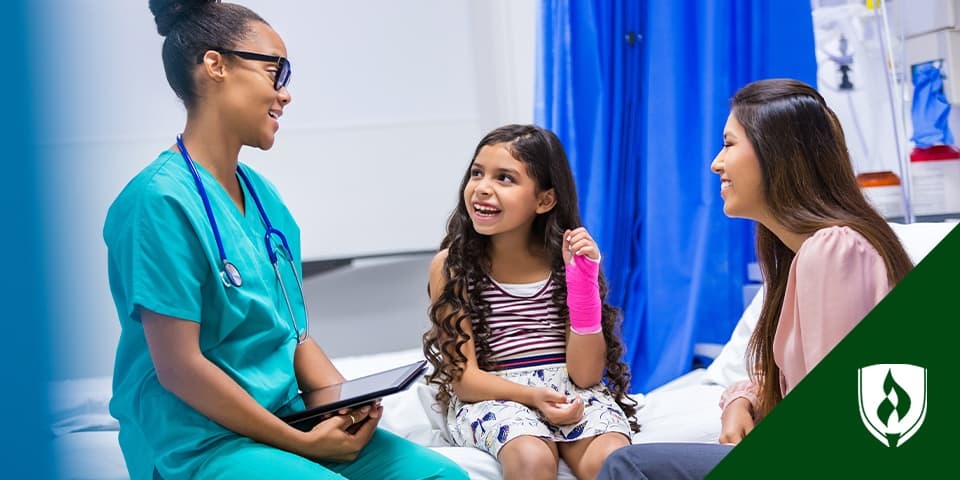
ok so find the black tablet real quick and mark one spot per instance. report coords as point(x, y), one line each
point(321, 402)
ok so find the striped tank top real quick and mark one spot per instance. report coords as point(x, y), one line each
point(525, 327)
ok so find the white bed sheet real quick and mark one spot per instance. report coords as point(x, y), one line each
point(85, 436)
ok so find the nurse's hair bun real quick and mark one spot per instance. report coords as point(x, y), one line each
point(168, 13)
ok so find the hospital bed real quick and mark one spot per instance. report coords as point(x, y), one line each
point(683, 410)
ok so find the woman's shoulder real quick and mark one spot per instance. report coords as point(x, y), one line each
point(837, 237)
point(836, 245)
point(163, 177)
point(157, 190)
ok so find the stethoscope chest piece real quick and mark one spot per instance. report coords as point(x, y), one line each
point(230, 275)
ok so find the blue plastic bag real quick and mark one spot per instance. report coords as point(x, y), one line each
point(930, 107)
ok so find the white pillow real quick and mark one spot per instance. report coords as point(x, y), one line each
point(918, 240)
point(730, 365)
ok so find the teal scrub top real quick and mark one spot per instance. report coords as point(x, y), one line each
point(162, 256)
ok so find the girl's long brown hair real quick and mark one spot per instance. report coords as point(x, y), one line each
point(468, 263)
point(809, 184)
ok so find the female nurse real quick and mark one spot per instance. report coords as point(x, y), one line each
point(204, 271)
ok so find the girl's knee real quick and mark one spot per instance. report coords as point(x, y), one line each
point(528, 457)
point(599, 450)
point(591, 462)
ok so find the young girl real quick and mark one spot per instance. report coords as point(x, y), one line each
point(520, 339)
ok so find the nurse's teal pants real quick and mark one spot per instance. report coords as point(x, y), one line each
point(387, 456)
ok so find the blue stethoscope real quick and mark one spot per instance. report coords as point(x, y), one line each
point(229, 274)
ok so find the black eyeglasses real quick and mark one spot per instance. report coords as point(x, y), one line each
point(283, 65)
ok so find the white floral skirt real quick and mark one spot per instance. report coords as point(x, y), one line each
point(490, 424)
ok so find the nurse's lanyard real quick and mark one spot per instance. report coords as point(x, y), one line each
point(229, 274)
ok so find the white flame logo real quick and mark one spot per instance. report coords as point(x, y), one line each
point(893, 401)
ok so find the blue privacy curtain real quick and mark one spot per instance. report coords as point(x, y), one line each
point(638, 91)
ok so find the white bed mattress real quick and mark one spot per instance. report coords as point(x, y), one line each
point(85, 436)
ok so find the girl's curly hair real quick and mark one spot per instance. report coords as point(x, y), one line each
point(468, 263)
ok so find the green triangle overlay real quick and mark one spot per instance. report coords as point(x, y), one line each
point(816, 431)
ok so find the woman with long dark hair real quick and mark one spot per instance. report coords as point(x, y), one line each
point(826, 255)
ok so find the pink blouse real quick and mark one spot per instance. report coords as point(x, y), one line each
point(835, 279)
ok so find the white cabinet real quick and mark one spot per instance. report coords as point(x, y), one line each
point(926, 16)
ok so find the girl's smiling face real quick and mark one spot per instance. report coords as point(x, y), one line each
point(500, 194)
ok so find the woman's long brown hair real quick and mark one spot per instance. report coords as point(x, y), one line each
point(809, 184)
point(468, 263)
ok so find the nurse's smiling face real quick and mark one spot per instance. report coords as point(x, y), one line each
point(251, 104)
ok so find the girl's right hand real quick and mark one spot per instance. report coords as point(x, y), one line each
point(736, 421)
point(342, 437)
point(556, 408)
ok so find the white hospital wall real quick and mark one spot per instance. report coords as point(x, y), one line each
point(389, 100)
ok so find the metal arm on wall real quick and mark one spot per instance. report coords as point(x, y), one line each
point(895, 90)
point(857, 32)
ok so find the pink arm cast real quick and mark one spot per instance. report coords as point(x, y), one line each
point(583, 295)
